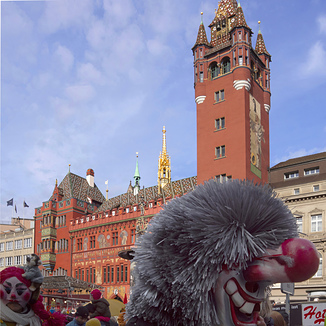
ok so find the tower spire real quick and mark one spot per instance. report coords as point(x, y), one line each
point(260, 44)
point(164, 166)
point(201, 36)
point(136, 177)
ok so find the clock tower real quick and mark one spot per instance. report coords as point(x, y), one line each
point(232, 94)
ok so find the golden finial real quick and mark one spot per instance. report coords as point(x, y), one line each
point(69, 167)
point(56, 182)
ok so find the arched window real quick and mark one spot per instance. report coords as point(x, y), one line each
point(225, 65)
point(214, 70)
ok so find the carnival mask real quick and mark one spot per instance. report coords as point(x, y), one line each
point(238, 294)
point(15, 294)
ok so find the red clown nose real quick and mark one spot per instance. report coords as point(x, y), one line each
point(295, 260)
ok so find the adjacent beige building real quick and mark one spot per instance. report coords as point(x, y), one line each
point(16, 242)
point(301, 183)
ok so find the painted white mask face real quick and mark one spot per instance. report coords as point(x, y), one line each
point(238, 294)
point(238, 301)
point(15, 294)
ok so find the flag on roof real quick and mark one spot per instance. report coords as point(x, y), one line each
point(10, 202)
point(25, 205)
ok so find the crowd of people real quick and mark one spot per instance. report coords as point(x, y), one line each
point(21, 305)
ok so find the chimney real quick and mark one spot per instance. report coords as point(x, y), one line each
point(90, 177)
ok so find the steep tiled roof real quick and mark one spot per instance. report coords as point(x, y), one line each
point(260, 45)
point(299, 160)
point(226, 8)
point(74, 186)
point(239, 20)
point(201, 36)
point(175, 188)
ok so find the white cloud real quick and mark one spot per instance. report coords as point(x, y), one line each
point(80, 93)
point(63, 110)
point(314, 64)
point(157, 48)
point(119, 13)
point(65, 56)
point(63, 14)
point(321, 20)
point(88, 73)
point(98, 35)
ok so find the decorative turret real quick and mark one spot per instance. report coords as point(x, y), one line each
point(201, 36)
point(260, 44)
point(239, 20)
point(164, 166)
point(137, 178)
point(57, 192)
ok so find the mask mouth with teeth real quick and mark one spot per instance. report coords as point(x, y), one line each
point(207, 257)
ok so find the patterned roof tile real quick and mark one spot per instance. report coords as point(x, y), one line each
point(74, 186)
point(260, 45)
point(201, 36)
point(239, 20)
point(176, 188)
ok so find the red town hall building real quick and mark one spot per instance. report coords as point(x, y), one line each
point(79, 232)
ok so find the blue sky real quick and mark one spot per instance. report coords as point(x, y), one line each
point(91, 82)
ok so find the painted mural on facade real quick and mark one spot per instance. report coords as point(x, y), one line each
point(256, 135)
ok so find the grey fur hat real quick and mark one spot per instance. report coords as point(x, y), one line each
point(187, 244)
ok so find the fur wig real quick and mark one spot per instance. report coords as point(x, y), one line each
point(187, 244)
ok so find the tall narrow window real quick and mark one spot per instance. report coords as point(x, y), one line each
point(201, 76)
point(112, 274)
point(126, 273)
point(220, 123)
point(215, 70)
point(220, 151)
point(219, 96)
point(226, 65)
point(316, 223)
point(104, 274)
point(118, 274)
point(109, 278)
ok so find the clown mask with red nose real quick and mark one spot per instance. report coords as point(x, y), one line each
point(15, 294)
point(238, 294)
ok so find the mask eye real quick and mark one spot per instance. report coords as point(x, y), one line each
point(7, 289)
point(20, 291)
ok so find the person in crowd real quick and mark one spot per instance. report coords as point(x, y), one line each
point(100, 308)
point(81, 317)
point(19, 306)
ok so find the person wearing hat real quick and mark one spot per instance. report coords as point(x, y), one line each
point(81, 317)
point(101, 309)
